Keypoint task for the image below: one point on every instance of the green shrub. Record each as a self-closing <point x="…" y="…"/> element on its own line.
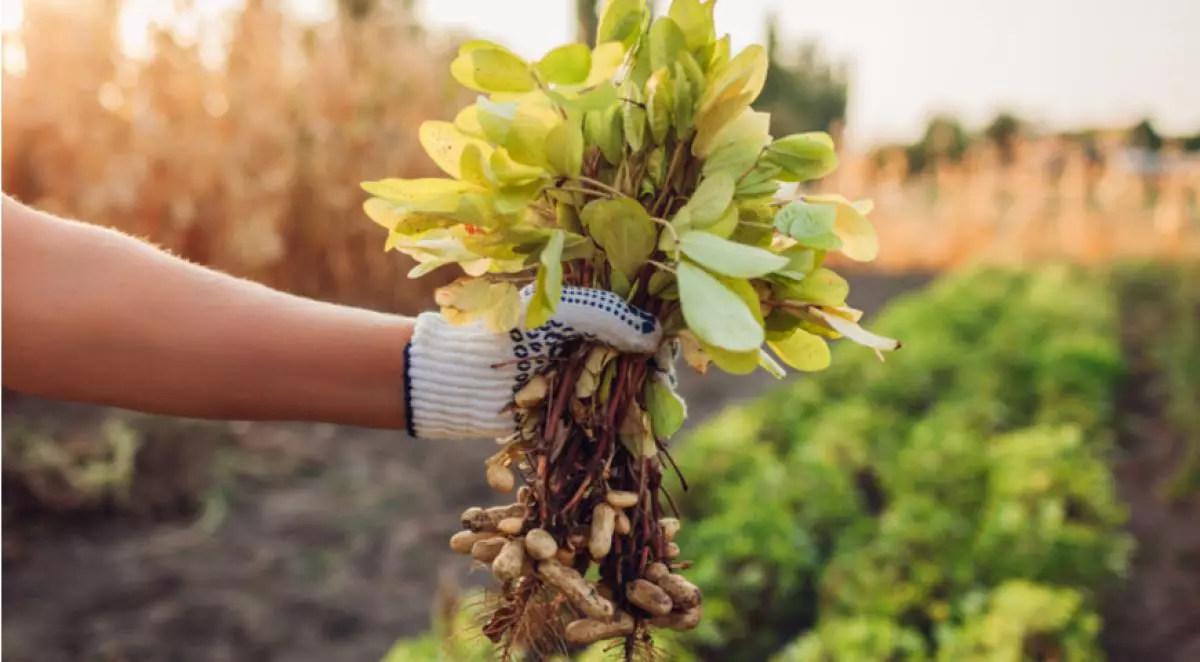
<point x="904" y="511"/>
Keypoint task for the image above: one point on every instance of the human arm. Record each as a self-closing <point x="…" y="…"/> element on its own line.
<point x="93" y="315"/>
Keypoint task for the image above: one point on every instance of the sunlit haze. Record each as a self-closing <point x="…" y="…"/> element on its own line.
<point x="1065" y="63"/>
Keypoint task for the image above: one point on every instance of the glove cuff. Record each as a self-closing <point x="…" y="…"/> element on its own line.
<point x="457" y="381"/>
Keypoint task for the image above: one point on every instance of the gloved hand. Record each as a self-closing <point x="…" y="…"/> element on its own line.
<point x="460" y="378"/>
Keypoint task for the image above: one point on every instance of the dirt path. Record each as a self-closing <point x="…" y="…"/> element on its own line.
<point x="314" y="543"/>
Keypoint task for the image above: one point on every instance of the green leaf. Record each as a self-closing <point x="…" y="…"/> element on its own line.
<point x="803" y="351"/>
<point x="634" y="116"/>
<point x="538" y="311"/>
<point x="729" y="258"/>
<point x="605" y="129"/>
<point x="507" y="171"/>
<point x="526" y="140"/>
<point x="548" y="289"/>
<point x="666" y="42"/>
<point x="716" y="313"/>
<point x="803" y="156"/>
<point x="473" y="168"/>
<point x="620" y="21"/>
<point x="858" y="239"/>
<point x="695" y="20"/>
<point x="491" y="69"/>
<point x="711" y="120"/>
<point x="856" y="333"/>
<point x="667" y="409"/>
<point x="660" y="101"/>
<point x="425" y="195"/>
<point x="810" y="225"/>
<point x="551" y="258"/>
<point x="685" y="101"/>
<point x="624" y="230"/>
<point x="566" y="65"/>
<point x="659" y="282"/>
<point x="711" y="199"/>
<point x="802" y="261"/>
<point x="725" y="226"/>
<point x="734" y="363"/>
<point x="823" y="287"/>
<point x="598" y="97"/>
<point x="564" y="149"/>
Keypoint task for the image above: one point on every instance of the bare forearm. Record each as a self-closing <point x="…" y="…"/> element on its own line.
<point x="96" y="316"/>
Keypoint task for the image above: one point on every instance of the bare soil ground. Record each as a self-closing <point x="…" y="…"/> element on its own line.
<point x="318" y="543"/>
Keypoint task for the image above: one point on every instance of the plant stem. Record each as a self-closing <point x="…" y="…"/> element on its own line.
<point x="600" y="185"/>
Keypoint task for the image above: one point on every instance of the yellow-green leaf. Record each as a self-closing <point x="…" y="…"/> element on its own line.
<point x="548" y="289"/>
<point x="715" y="313"/>
<point x="711" y="199"/>
<point x="857" y="333"/>
<point x="605" y="129"/>
<point x="606" y="60"/>
<point x="803" y="156"/>
<point x="666" y="408"/>
<point x="666" y="42"/>
<point x="620" y="21"/>
<point x="711" y="120"/>
<point x="427" y="194"/>
<point x="822" y="287"/>
<point x="566" y="65"/>
<point x="526" y="140"/>
<point x="624" y="230"/>
<point x="634" y="116"/>
<point x="738" y="145"/>
<point x="660" y="101"/>
<point x="743" y="76"/>
<point x="474" y="167"/>
<point x="857" y="234"/>
<point x="726" y="225"/>
<point x="564" y="148"/>
<point x="802" y="351"/>
<point x="695" y="21"/>
<point x="488" y="69"/>
<point x="445" y="143"/>
<point x="809" y="224"/>
<point x="507" y="171"/>
<point x="729" y="258"/>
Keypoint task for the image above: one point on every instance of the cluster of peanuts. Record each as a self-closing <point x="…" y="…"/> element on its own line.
<point x="501" y="538"/>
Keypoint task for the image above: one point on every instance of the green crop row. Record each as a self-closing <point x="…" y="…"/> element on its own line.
<point x="954" y="503"/>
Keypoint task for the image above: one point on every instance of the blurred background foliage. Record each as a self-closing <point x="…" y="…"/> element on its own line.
<point x="1015" y="484"/>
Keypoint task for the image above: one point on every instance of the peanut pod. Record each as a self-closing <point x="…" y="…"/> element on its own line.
<point x="670" y="527"/>
<point x="622" y="526"/>
<point x="485" y="551"/>
<point x="509" y="561"/>
<point x="540" y="544"/>
<point x="511" y="526"/>
<point x="649" y="596"/>
<point x="680" y="621"/>
<point x="578" y="590"/>
<point x="620" y="499"/>
<point x="500" y="478"/>
<point x="479" y="519"/>
<point x="463" y="541"/>
<point x="588" y="631"/>
<point x="604" y="518"/>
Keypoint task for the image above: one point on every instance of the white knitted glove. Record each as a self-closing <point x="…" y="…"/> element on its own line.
<point x="460" y="378"/>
